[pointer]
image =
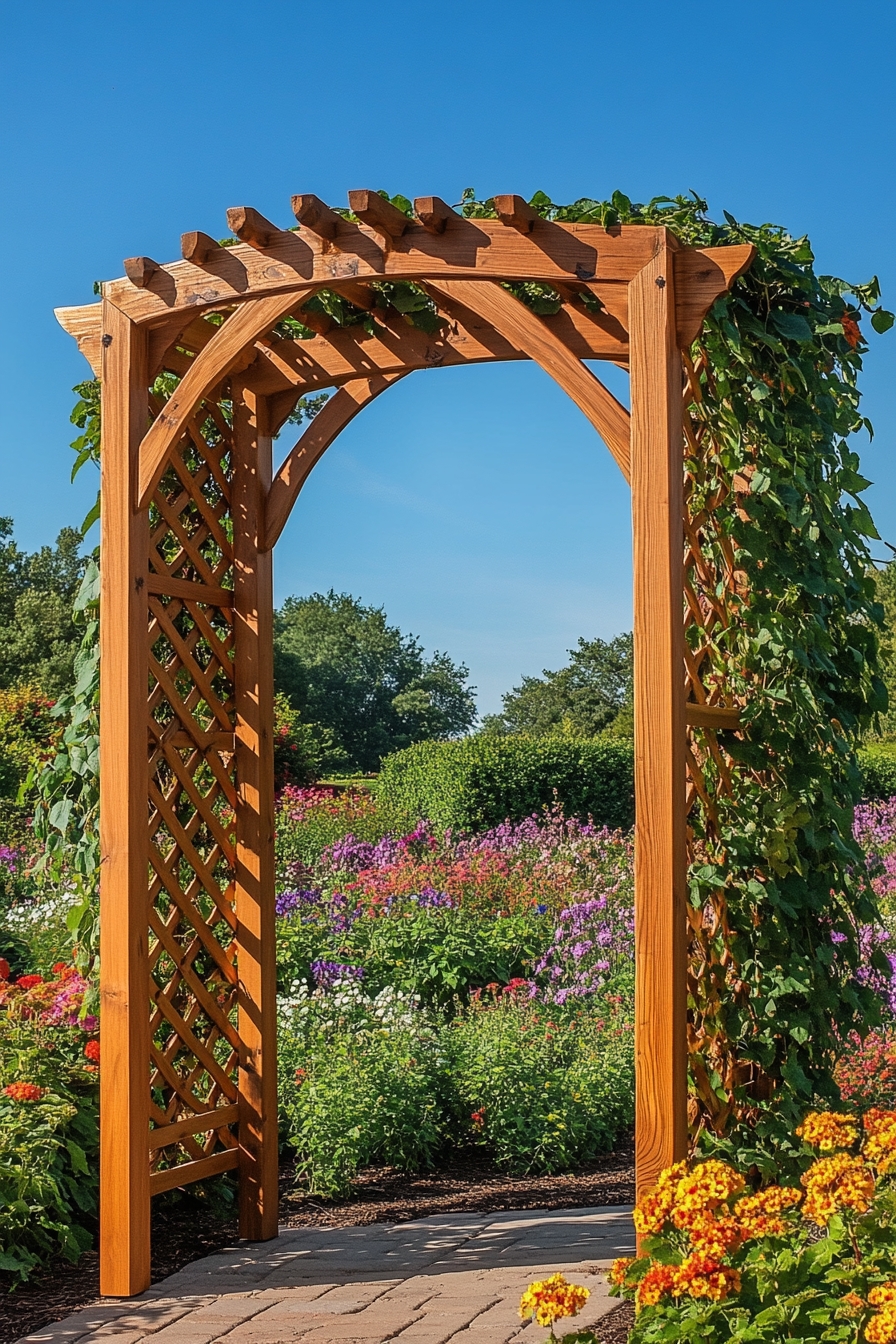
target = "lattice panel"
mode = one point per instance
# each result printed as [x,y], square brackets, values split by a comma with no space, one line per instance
[714,593]
[192,802]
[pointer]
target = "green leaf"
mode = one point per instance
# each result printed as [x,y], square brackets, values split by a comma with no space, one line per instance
[792,325]
[881,320]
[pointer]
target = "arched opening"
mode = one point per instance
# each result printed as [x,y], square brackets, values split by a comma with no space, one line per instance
[191,510]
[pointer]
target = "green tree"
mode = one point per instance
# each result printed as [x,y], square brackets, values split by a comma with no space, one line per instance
[343,667]
[591,694]
[38,635]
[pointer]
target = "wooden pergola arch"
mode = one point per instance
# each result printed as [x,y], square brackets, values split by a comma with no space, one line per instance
[191,509]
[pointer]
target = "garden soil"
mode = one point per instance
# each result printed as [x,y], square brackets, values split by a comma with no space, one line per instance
[185,1230]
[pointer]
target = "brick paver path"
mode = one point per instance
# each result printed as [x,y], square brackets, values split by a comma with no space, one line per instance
[455,1277]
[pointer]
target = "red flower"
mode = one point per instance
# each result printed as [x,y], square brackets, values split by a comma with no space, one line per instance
[4,969]
[92,1051]
[300,1076]
[24,1091]
[29,981]
[478,1118]
[851,331]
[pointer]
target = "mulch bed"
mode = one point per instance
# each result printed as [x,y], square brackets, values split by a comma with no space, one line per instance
[187,1230]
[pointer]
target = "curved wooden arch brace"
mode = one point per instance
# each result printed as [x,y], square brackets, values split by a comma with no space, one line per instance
[311,446]
[519,325]
[219,358]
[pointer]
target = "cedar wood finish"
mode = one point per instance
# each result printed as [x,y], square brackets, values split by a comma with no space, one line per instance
[191,509]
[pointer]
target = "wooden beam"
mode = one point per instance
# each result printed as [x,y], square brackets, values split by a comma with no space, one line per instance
[330,420]
[712,716]
[317,216]
[702,276]
[480,248]
[253,690]
[433,213]
[223,352]
[188,1172]
[198,247]
[514,212]
[661,1136]
[379,213]
[140,270]
[523,328]
[124,975]
[251,227]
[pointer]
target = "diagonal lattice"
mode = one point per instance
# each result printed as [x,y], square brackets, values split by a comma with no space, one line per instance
[192,798]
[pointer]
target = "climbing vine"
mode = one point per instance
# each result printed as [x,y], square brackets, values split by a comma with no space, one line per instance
[778,551]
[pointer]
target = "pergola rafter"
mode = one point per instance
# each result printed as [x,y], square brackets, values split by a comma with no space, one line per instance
[191,508]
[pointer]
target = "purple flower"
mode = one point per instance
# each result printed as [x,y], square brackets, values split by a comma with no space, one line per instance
[288,902]
[329,974]
[430,899]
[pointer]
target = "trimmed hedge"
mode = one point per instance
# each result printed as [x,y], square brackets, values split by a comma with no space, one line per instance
[878,766]
[478,782]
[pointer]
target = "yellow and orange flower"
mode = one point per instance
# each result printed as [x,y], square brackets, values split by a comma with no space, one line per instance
[834,1183]
[653,1209]
[658,1282]
[760,1215]
[828,1130]
[710,1235]
[24,1091]
[702,1276]
[880,1138]
[881,1329]
[619,1270]
[549,1299]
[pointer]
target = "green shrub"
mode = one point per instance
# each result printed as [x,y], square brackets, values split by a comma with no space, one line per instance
[360,1081]
[310,819]
[542,1088]
[48,1146]
[479,782]
[878,766]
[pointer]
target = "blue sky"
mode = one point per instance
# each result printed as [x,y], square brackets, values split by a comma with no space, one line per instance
[476,505]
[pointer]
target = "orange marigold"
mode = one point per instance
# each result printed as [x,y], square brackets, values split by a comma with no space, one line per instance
[92,1051]
[701,1276]
[880,1138]
[833,1183]
[24,1091]
[549,1299]
[828,1130]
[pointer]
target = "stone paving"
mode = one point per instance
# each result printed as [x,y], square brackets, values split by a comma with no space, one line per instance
[451,1279]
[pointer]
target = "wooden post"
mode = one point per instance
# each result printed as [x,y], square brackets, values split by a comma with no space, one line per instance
[660,823]
[254,697]
[124,921]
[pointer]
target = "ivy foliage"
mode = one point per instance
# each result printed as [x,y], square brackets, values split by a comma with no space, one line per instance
[775,864]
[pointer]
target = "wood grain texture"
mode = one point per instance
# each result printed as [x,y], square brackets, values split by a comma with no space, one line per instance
[702,276]
[224,350]
[124,979]
[519,325]
[253,675]
[660,823]
[311,446]
[485,248]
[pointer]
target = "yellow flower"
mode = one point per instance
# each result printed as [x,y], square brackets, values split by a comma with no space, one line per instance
[549,1299]
[880,1138]
[833,1183]
[828,1130]
[656,1283]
